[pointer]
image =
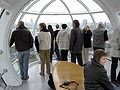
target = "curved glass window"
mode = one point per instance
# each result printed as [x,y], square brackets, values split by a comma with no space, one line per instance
[56,7]
[29,21]
[54,12]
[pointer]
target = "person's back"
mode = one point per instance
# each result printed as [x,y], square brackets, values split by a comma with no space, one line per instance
[98,37]
[44,40]
[22,38]
[78,40]
[63,39]
[23,42]
[76,43]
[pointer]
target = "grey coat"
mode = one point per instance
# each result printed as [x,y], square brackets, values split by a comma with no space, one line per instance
[115,43]
[63,39]
[98,37]
[76,41]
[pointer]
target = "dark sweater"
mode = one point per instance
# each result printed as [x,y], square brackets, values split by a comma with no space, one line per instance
[22,38]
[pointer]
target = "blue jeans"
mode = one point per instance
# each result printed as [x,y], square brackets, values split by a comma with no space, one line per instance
[115,87]
[23,58]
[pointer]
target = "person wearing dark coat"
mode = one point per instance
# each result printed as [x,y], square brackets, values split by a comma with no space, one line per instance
[37,43]
[76,43]
[99,37]
[87,43]
[95,74]
[52,41]
[23,42]
[56,45]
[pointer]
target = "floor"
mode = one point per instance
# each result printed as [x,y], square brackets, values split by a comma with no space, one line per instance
[38,82]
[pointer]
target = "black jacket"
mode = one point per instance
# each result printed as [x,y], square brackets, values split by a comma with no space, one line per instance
[87,38]
[22,38]
[55,33]
[96,77]
[37,43]
[76,41]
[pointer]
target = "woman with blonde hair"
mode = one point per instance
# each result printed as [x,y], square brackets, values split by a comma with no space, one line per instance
[87,43]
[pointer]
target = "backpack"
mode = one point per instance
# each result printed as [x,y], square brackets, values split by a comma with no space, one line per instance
[50,82]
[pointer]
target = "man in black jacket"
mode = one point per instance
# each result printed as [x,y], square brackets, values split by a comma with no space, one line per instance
[23,42]
[76,43]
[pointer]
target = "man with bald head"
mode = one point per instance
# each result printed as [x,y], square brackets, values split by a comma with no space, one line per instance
[23,42]
[99,37]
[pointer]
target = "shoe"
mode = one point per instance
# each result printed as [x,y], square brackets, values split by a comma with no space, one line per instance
[26,78]
[22,78]
[116,83]
[41,74]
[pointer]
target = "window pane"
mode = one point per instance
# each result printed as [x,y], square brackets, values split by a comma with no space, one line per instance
[84,19]
[75,6]
[100,17]
[54,19]
[56,7]
[93,6]
[38,6]
[29,21]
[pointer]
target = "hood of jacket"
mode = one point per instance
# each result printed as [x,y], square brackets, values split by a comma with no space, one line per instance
[63,32]
[44,30]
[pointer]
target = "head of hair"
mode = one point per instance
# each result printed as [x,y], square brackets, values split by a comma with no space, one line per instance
[57,26]
[20,23]
[88,27]
[98,54]
[50,27]
[100,24]
[76,23]
[42,25]
[64,26]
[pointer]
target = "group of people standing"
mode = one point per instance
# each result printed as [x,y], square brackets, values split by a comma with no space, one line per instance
[78,42]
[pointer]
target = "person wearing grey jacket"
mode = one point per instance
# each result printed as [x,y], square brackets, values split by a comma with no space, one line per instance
[115,54]
[76,43]
[63,39]
[99,37]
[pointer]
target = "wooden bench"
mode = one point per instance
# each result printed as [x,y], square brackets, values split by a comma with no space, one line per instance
[68,71]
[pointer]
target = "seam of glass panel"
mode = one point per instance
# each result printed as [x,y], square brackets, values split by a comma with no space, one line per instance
[67,9]
[2,12]
[42,12]
[28,8]
[88,11]
[61,13]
